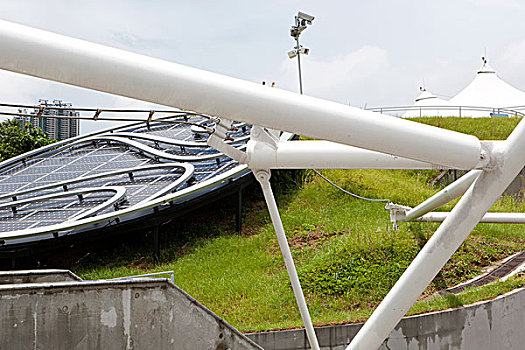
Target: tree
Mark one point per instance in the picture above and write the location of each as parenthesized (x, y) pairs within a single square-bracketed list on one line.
[(15, 141)]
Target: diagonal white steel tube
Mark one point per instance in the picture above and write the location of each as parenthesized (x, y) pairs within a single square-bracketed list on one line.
[(509, 159), (263, 176), (449, 193), (55, 57)]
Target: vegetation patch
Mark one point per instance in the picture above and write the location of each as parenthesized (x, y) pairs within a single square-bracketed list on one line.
[(15, 141), (482, 128), (311, 236), (371, 270)]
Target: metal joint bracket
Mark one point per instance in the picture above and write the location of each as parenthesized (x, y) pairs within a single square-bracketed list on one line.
[(97, 114), (222, 127), (263, 176), (268, 136), (262, 147), (486, 161), (397, 213), (232, 152), (219, 135)]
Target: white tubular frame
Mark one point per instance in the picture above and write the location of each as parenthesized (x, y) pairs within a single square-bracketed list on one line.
[(489, 218), (56, 57), (509, 159), (76, 62), (449, 193), (324, 155)]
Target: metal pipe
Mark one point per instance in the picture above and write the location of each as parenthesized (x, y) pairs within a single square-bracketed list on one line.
[(299, 65), (323, 155), (263, 176), (449, 193), (59, 58), (488, 218), (509, 159)]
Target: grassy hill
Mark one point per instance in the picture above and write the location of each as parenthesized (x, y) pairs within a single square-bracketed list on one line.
[(346, 253)]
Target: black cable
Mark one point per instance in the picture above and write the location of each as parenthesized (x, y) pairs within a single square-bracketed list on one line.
[(350, 193)]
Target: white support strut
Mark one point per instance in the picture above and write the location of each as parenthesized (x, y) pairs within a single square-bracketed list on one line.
[(509, 159), (449, 193), (263, 176), (489, 218), (76, 62), (323, 155)]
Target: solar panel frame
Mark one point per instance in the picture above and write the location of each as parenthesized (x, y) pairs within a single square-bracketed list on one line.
[(80, 158)]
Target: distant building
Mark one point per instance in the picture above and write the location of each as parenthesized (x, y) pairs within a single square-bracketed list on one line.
[(55, 128)]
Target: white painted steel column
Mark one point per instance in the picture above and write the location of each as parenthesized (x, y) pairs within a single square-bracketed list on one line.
[(449, 193), (509, 159), (263, 176), (323, 155), (55, 57)]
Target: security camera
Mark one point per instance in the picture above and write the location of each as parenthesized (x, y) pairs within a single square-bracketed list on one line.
[(292, 53), (295, 31), (304, 50), (308, 18)]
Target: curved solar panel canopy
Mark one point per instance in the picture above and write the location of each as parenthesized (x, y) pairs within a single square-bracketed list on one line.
[(111, 176)]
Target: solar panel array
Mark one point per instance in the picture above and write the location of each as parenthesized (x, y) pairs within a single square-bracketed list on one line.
[(143, 160)]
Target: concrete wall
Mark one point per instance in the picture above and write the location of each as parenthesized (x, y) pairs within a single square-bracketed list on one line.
[(496, 324), (132, 314), (36, 276), (67, 313)]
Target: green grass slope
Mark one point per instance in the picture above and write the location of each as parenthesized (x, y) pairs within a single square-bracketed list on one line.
[(346, 253)]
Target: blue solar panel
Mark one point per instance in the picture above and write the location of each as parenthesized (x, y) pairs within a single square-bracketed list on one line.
[(100, 177)]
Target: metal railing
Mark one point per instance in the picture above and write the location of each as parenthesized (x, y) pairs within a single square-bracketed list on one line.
[(515, 111), (95, 114), (171, 273)]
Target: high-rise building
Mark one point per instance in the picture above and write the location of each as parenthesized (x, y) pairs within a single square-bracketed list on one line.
[(55, 128)]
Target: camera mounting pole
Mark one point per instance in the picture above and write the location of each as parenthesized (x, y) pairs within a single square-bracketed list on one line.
[(301, 21)]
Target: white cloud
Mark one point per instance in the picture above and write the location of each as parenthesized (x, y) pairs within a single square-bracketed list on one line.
[(509, 63), (343, 78)]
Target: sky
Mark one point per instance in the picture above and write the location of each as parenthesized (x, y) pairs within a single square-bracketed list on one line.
[(363, 53)]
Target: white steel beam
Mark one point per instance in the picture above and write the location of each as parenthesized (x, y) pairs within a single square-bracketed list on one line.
[(323, 155), (488, 218), (508, 158), (263, 176), (59, 58), (449, 193)]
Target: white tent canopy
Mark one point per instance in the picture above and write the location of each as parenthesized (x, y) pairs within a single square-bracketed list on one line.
[(424, 103), (487, 90)]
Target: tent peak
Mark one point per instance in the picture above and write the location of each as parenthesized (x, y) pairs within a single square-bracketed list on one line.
[(486, 68)]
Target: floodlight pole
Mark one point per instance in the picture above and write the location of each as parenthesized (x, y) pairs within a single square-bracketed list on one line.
[(299, 65), (295, 32)]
